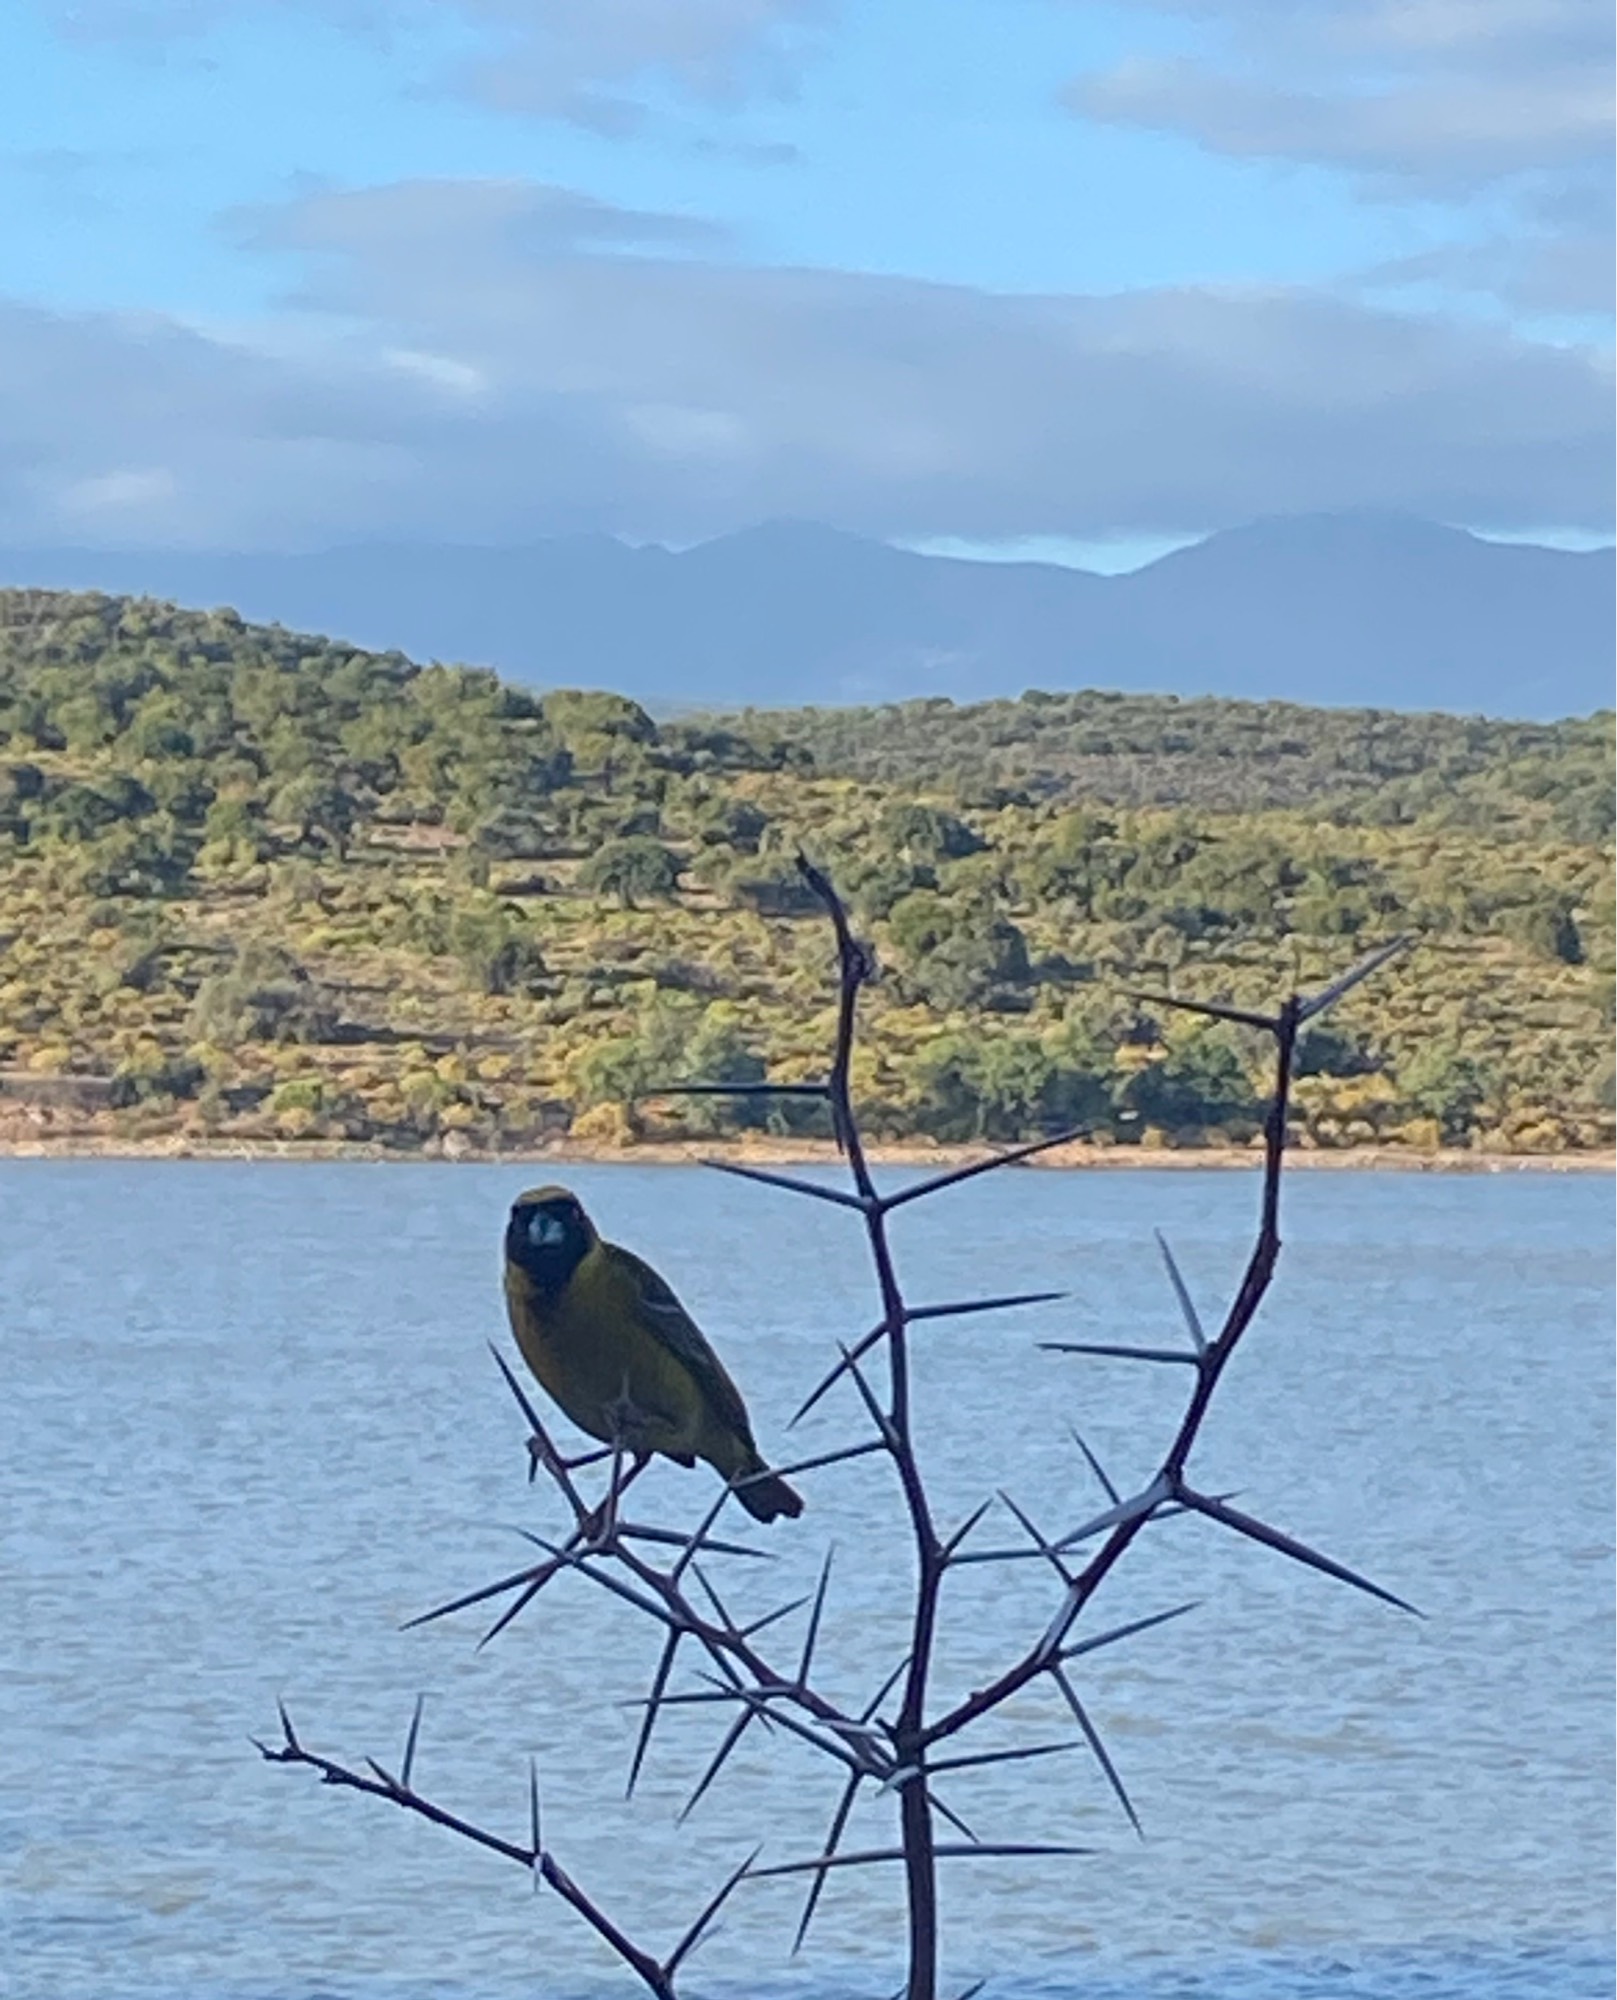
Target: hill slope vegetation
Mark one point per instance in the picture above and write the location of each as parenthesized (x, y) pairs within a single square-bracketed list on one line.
[(255, 885)]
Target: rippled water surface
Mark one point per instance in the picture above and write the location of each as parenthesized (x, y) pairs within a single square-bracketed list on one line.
[(252, 1426)]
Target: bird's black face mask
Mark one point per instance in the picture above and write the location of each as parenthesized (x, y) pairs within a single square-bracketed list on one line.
[(548, 1239)]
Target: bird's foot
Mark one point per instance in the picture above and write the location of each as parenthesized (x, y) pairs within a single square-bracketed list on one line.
[(600, 1526)]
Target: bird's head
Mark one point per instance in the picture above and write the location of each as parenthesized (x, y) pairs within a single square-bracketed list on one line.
[(548, 1235)]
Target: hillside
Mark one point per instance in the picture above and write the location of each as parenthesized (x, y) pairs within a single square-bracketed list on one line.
[(255, 885), (1353, 766), (1337, 609)]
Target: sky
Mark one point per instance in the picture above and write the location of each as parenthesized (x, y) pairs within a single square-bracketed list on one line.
[(993, 276)]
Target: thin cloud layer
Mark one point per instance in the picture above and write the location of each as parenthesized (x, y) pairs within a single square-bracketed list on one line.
[(595, 63), (590, 61), (1500, 104), (496, 361)]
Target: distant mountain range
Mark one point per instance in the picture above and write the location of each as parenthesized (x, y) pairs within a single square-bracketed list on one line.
[(1337, 609)]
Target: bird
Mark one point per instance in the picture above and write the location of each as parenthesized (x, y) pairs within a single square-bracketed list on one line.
[(612, 1346)]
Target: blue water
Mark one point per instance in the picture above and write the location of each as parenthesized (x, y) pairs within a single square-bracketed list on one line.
[(252, 1426)]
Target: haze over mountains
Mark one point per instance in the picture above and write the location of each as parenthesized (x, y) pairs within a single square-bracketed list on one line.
[(1338, 609)]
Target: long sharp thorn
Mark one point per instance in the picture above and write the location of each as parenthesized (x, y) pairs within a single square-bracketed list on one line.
[(1119, 1632), (822, 1862), (847, 1451), (983, 1850), (877, 1415), (773, 1617), (719, 1610), (1020, 1554), (1125, 1510), (516, 1607), (674, 1538), (1317, 1003), (732, 1737), (692, 1698), (971, 1992), (1096, 1467), (952, 1817), (884, 1690), (912, 1317), (580, 1561), (386, 1777), (287, 1730), (514, 1581), (861, 1347), (1287, 1545), (965, 1528), (1182, 1293), (698, 1930), (982, 1757), (653, 1709), (833, 1839), (1107, 1350), (410, 1742), (1102, 1754), (553, 1460), (1040, 1541), (916, 1313), (688, 1554), (788, 1181), (1215, 1010), (536, 1832), (813, 1632), (518, 1391), (757, 1703), (921, 1189)]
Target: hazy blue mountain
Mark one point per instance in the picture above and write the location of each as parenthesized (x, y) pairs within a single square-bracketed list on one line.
[(1335, 608)]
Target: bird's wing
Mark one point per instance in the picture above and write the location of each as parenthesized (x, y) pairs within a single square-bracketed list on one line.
[(668, 1322)]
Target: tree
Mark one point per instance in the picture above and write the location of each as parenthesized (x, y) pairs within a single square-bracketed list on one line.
[(1441, 1081), (497, 949), (923, 833), (957, 955), (149, 859), (638, 867), (1200, 1082), (901, 1748), (266, 996), (322, 811)]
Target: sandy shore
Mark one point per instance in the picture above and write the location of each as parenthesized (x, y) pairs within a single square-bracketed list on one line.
[(808, 1152)]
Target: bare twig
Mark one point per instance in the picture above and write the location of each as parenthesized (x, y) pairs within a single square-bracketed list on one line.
[(653, 1569)]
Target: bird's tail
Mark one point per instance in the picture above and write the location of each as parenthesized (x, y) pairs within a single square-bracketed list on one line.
[(768, 1496)]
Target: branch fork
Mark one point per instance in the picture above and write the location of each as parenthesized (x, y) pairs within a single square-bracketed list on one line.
[(891, 1744)]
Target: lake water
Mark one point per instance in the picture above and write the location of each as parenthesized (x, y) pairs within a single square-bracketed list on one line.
[(252, 1425)]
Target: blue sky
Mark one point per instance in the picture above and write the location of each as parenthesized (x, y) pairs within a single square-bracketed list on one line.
[(989, 274)]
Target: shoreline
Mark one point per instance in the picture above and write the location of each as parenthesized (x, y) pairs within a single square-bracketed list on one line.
[(1076, 1158)]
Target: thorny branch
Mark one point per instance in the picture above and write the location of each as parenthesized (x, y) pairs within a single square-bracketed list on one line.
[(653, 1568)]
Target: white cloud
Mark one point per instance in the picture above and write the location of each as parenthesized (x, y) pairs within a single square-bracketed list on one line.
[(1442, 136), (671, 396), (1504, 105)]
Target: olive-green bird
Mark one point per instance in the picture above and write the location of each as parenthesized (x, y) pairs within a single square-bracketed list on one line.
[(614, 1348)]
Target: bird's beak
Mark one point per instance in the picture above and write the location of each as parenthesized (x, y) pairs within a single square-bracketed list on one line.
[(543, 1230)]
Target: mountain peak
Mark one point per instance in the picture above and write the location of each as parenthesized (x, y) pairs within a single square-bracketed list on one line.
[(1355, 608)]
